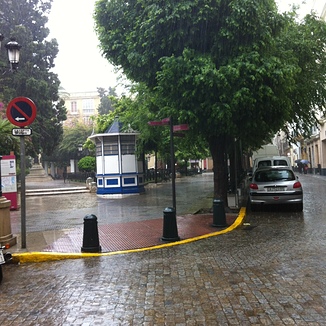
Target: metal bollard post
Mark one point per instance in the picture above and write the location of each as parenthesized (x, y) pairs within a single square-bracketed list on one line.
[(170, 229), (91, 241), (219, 217)]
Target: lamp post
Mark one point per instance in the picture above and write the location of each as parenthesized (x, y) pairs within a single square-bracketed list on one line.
[(80, 148), (13, 52), (6, 236)]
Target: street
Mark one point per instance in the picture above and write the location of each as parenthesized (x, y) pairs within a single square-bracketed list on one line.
[(271, 272)]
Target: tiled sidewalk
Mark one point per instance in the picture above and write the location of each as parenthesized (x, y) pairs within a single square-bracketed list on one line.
[(135, 235)]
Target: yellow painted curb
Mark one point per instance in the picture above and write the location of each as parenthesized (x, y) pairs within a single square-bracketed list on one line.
[(36, 257)]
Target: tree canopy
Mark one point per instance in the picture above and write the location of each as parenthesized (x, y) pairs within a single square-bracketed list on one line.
[(230, 69), (26, 22), (73, 136), (106, 100)]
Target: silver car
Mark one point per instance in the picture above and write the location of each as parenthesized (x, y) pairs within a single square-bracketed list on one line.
[(275, 185)]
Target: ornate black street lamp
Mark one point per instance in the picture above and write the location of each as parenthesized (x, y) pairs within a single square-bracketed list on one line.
[(13, 51)]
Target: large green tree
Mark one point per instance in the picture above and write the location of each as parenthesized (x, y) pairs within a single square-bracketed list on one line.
[(26, 22), (304, 43), (106, 96), (73, 136), (221, 66)]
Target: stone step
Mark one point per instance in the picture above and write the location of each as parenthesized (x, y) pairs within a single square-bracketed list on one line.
[(38, 178), (56, 191), (37, 174)]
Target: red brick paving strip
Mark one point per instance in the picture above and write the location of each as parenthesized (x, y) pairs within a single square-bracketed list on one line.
[(140, 234)]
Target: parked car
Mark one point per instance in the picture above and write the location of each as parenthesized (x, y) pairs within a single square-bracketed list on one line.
[(275, 185)]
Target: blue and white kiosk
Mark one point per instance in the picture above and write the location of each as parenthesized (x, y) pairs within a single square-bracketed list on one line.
[(118, 171)]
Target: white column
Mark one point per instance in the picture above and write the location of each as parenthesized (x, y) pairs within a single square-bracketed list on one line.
[(72, 166)]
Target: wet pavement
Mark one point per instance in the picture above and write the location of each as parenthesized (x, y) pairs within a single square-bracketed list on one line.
[(271, 272), (55, 223)]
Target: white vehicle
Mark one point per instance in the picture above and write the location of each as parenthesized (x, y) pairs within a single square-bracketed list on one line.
[(266, 150), (271, 161)]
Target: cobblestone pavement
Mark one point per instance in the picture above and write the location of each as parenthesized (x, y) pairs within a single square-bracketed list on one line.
[(271, 272)]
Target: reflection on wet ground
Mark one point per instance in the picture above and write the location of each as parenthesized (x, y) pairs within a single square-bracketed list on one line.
[(66, 211)]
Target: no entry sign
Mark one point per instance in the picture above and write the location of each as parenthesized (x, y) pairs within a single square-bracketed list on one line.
[(21, 111)]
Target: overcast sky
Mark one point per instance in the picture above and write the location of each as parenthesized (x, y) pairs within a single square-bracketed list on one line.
[(306, 6), (79, 63)]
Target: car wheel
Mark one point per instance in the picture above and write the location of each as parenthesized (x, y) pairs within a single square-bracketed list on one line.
[(299, 207)]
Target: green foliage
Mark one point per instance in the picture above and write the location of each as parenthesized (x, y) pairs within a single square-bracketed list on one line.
[(304, 44), (26, 21), (90, 147), (68, 147), (87, 164), (8, 142), (231, 100), (106, 100), (104, 121), (119, 105)]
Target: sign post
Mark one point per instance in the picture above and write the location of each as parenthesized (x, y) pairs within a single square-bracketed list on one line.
[(173, 132), (21, 112), (23, 192), (170, 229)]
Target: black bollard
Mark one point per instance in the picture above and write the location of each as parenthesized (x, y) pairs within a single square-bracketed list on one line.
[(219, 217), (91, 241), (170, 230)]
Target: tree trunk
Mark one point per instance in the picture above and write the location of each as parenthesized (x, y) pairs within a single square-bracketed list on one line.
[(233, 169), (218, 150), (236, 166)]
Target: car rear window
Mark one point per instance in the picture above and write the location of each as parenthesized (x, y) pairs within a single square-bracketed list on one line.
[(264, 163), (280, 162), (274, 175), (275, 163)]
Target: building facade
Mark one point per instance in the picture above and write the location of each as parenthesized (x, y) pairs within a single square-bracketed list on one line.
[(81, 106)]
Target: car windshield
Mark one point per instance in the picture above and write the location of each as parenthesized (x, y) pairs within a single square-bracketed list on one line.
[(274, 175)]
